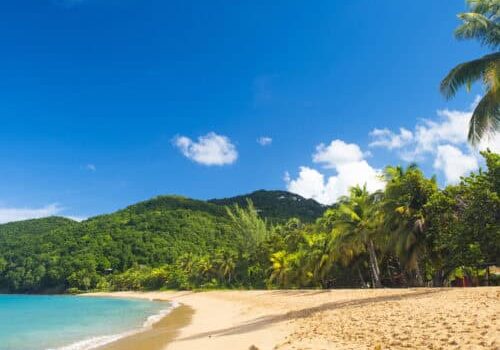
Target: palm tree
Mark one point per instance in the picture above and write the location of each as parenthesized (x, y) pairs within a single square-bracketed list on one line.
[(356, 228), (282, 266), (319, 259), (225, 265), (406, 193), (481, 23)]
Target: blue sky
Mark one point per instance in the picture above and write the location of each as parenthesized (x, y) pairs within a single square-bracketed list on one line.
[(107, 102)]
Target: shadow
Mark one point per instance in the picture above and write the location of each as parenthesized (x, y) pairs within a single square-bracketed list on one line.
[(262, 322), (301, 292)]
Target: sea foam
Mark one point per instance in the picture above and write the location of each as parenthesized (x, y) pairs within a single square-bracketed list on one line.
[(98, 341)]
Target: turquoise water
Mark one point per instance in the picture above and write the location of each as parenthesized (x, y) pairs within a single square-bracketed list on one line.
[(71, 322)]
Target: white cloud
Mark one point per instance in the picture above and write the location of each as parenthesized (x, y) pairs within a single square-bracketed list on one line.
[(440, 139), (390, 140), (264, 140), (350, 167), (311, 184), (492, 142), (454, 163), (210, 149), (18, 214), (77, 218), (337, 153), (451, 128)]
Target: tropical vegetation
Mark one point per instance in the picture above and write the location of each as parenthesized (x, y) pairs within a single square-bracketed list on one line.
[(482, 23), (410, 234)]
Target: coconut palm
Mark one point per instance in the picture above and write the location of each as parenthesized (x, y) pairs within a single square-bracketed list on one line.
[(282, 268), (356, 227), (225, 265), (481, 23), (319, 259), (406, 193)]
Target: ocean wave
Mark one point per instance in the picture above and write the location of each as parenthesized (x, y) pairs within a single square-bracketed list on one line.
[(98, 341), (151, 320)]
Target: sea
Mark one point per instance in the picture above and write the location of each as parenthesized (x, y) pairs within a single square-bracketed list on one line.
[(42, 322)]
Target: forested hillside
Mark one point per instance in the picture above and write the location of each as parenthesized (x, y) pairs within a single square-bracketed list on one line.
[(410, 234), (278, 206), (54, 254)]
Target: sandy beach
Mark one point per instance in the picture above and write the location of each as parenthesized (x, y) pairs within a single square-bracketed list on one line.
[(324, 319)]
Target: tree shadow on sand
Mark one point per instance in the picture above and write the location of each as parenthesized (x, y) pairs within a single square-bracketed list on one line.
[(262, 322)]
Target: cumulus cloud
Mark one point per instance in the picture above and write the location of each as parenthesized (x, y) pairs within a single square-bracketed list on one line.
[(390, 140), (439, 138), (311, 184), (347, 160), (264, 140), (454, 163), (91, 167), (337, 153), (210, 149), (491, 142), (18, 214), (76, 218), (451, 128)]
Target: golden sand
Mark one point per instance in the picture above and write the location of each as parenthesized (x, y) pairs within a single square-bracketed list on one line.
[(160, 334), (460, 318)]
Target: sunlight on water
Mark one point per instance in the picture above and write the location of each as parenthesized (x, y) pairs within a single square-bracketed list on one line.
[(70, 322)]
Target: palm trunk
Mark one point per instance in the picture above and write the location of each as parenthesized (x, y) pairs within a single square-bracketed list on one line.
[(418, 274), (437, 279), (374, 265), (361, 279)]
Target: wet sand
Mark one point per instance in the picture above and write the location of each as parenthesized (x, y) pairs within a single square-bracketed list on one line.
[(459, 318), (162, 332)]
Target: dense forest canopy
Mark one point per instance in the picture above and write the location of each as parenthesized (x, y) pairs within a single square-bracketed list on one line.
[(278, 206), (411, 234)]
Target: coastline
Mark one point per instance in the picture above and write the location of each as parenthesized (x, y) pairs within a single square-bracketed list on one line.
[(214, 322), (160, 333), (423, 318)]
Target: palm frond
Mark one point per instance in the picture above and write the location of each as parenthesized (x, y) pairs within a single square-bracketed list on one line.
[(481, 23), (485, 6), (485, 118), (349, 213), (478, 26), (466, 73)]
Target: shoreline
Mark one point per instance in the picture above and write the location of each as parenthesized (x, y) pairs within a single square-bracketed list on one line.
[(212, 316), (439, 318), (159, 335)]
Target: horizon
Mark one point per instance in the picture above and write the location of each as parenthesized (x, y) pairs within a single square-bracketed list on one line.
[(110, 103)]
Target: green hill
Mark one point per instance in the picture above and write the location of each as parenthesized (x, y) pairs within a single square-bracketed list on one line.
[(35, 226), (278, 206), (54, 254)]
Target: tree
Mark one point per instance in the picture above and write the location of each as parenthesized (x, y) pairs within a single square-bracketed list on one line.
[(406, 193), (481, 23), (283, 265), (250, 228), (463, 223), (225, 263), (356, 227)]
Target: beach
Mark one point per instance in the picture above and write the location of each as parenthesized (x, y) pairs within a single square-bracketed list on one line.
[(323, 319)]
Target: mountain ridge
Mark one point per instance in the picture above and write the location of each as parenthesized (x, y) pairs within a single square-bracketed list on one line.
[(56, 254)]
